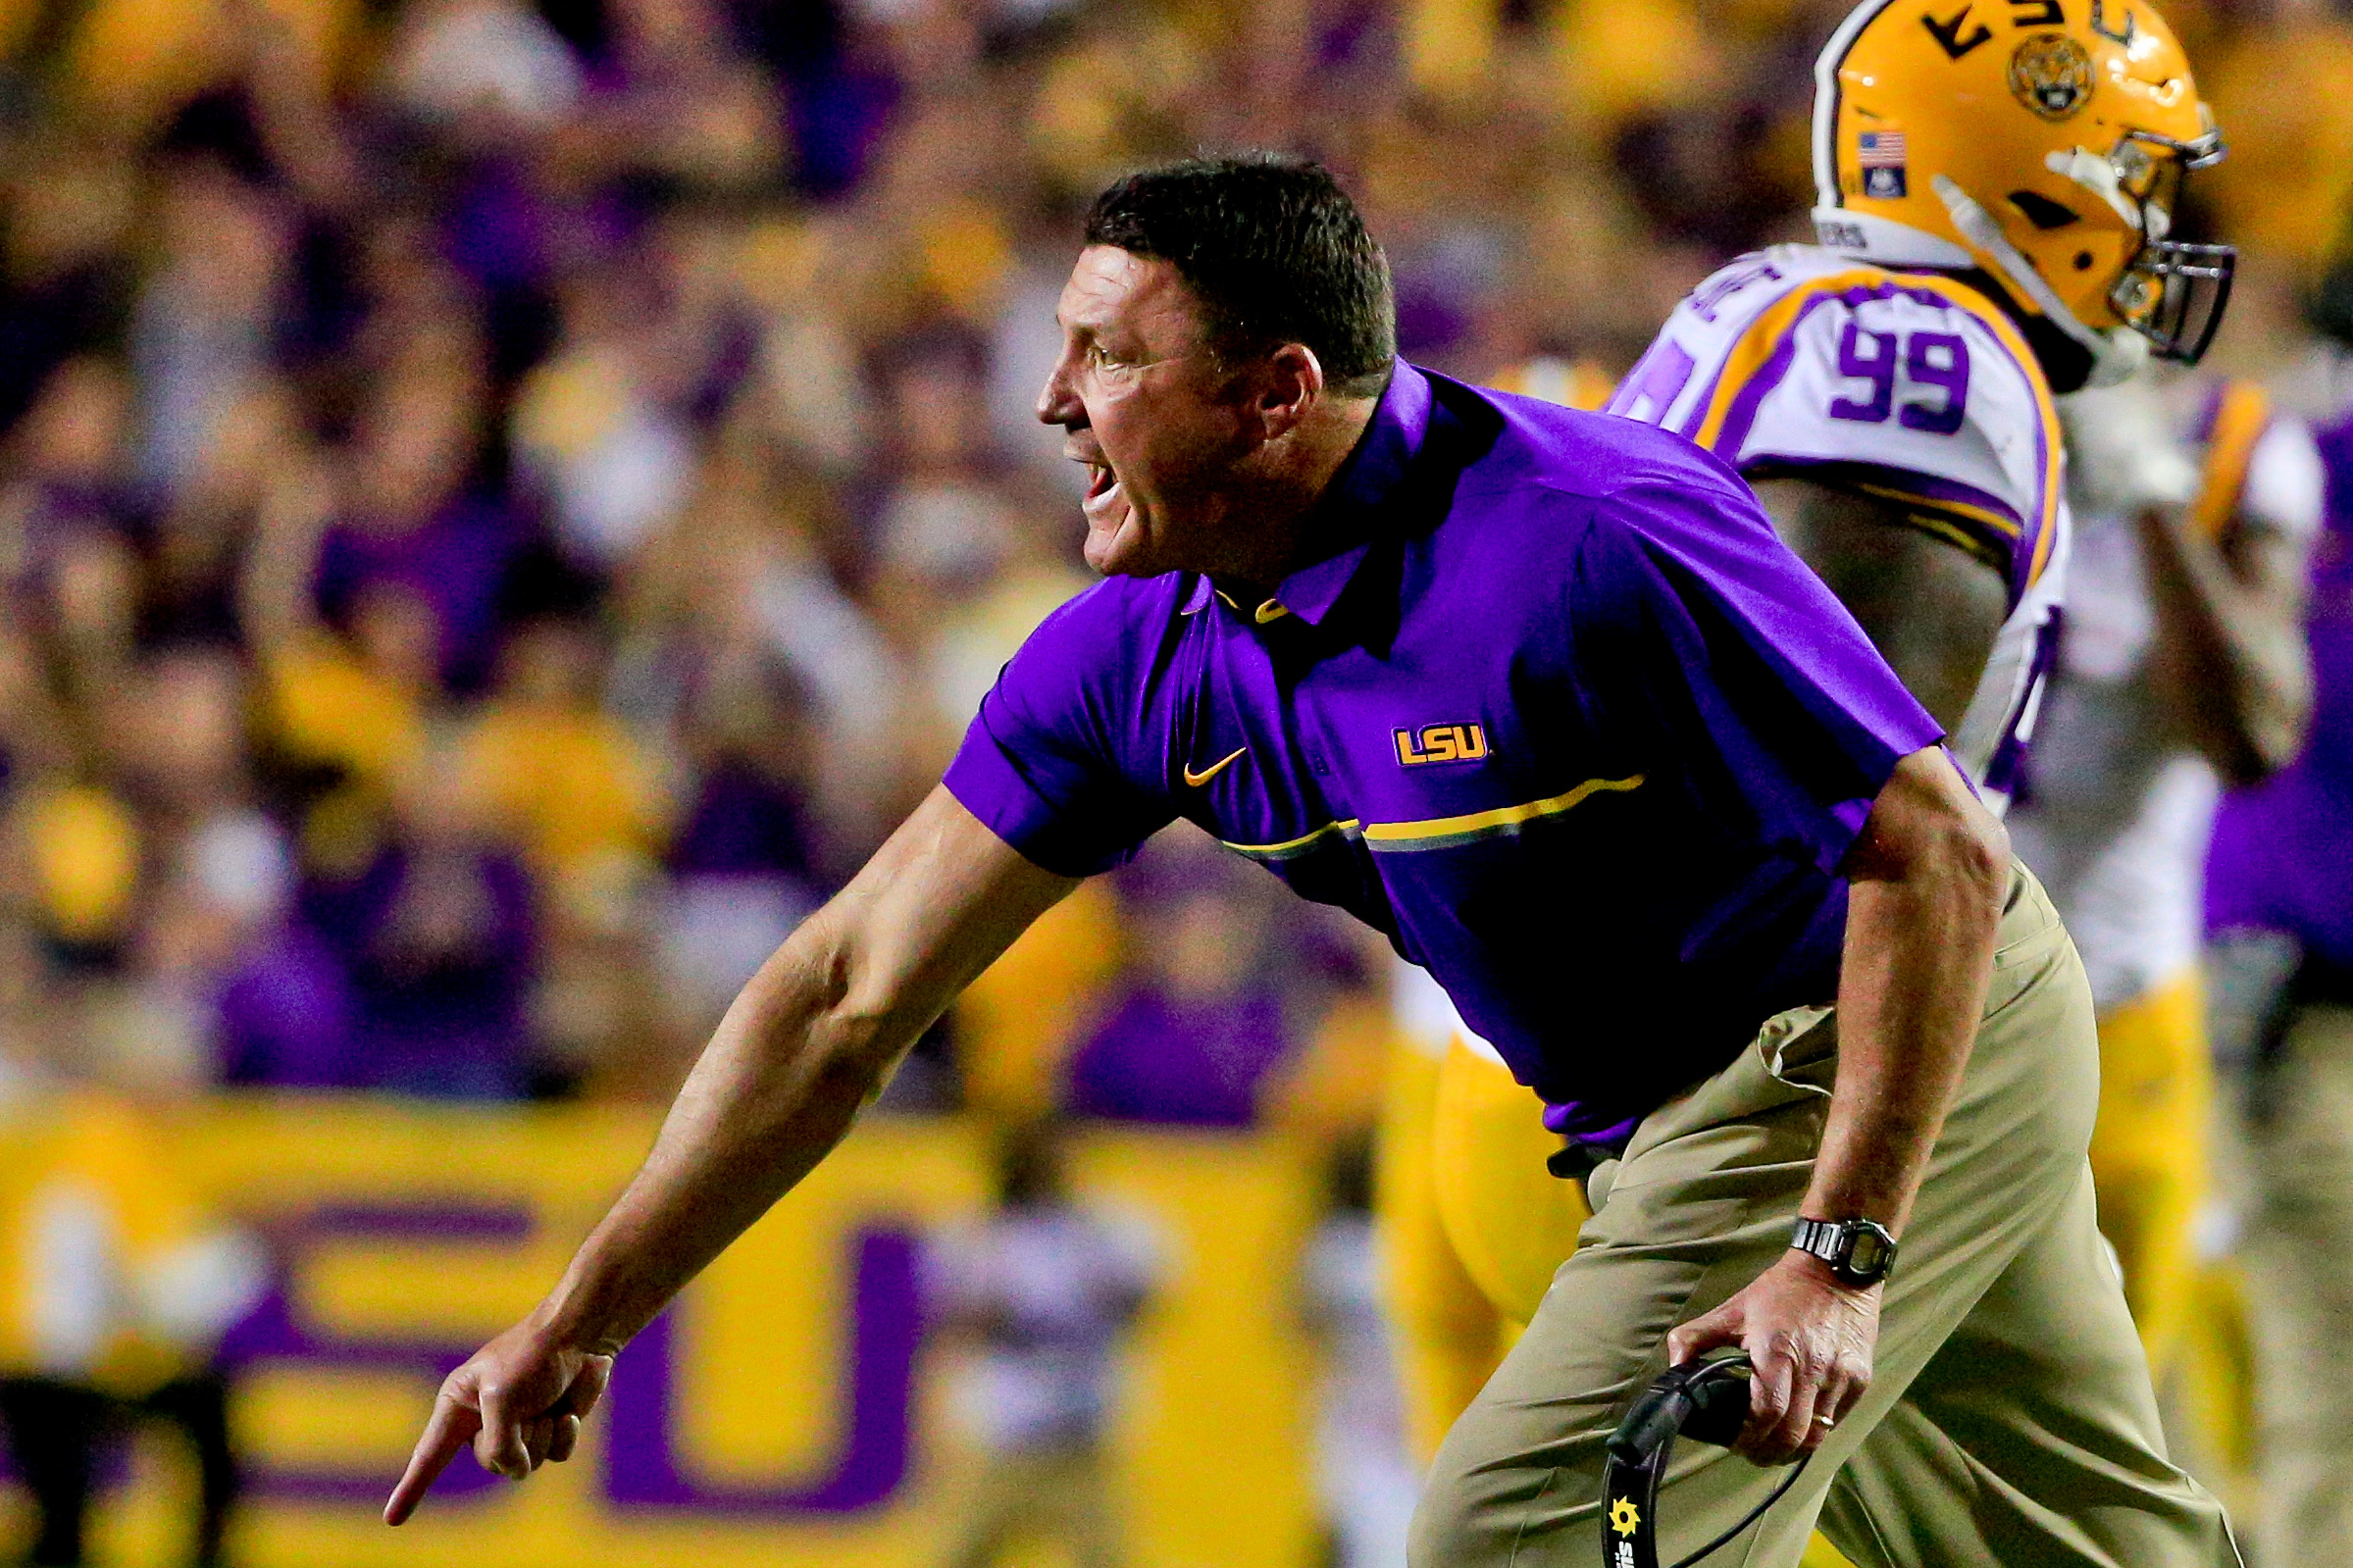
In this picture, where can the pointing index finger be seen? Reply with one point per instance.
(445, 1436)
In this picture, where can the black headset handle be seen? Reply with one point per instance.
(1702, 1399)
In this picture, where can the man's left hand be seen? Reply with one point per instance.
(1809, 1340)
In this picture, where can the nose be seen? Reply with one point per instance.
(1058, 399)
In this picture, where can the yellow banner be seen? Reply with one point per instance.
(786, 1410)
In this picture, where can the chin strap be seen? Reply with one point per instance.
(2117, 356)
(2098, 176)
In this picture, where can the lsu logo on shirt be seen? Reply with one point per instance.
(1440, 742)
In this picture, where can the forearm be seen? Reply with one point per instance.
(778, 1087)
(2232, 652)
(805, 1046)
(1911, 991)
(1928, 876)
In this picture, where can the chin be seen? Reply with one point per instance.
(1119, 551)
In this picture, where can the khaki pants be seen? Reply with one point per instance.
(1059, 1494)
(2299, 1259)
(2009, 1421)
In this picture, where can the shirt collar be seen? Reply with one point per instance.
(1350, 515)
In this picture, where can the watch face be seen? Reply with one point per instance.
(1867, 1252)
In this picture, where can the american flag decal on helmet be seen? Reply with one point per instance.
(1881, 155)
(1881, 149)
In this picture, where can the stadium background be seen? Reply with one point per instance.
(503, 505)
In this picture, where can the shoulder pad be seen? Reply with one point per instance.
(1911, 387)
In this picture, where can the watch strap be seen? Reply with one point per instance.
(1833, 1242)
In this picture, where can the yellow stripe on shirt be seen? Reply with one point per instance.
(1346, 827)
(1764, 334)
(1438, 832)
(2046, 410)
(1983, 517)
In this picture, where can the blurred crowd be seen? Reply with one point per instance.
(505, 507)
(503, 504)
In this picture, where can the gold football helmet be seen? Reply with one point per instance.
(2043, 141)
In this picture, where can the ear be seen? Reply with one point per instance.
(1290, 383)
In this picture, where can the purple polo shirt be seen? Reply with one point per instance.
(1552, 707)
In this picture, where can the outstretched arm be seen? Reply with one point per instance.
(809, 1043)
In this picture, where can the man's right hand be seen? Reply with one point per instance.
(808, 1042)
(520, 1401)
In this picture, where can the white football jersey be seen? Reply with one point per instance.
(1911, 386)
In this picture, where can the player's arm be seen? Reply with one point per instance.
(1927, 877)
(2230, 637)
(807, 1044)
(1931, 608)
(2225, 566)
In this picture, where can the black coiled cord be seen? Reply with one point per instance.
(1704, 1400)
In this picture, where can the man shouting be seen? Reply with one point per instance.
(1538, 695)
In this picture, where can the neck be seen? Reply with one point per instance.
(2065, 364)
(1275, 505)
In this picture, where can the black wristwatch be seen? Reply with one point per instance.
(1859, 1251)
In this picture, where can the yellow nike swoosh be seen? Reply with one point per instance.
(1197, 779)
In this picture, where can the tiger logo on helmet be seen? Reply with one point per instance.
(2050, 74)
(2044, 141)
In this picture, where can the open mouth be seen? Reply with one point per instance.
(1101, 487)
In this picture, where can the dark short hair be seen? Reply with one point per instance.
(1274, 252)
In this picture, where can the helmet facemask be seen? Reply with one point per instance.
(2172, 293)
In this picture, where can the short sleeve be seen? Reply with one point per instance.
(1057, 762)
(1708, 653)
(1912, 396)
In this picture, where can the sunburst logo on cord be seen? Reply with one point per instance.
(1624, 1517)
